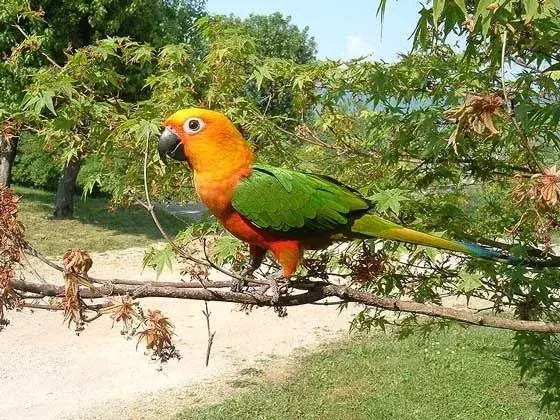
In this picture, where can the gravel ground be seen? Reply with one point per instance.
(47, 372)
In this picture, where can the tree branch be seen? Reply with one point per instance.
(314, 294)
(511, 114)
(29, 249)
(44, 54)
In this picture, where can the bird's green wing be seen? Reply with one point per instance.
(288, 201)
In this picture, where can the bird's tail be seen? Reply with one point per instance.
(375, 226)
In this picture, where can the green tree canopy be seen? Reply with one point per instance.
(275, 36)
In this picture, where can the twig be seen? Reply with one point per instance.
(29, 249)
(42, 306)
(186, 256)
(511, 113)
(54, 63)
(150, 209)
(207, 313)
(32, 269)
(315, 141)
(270, 95)
(61, 308)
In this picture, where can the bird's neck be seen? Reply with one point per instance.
(219, 166)
(221, 157)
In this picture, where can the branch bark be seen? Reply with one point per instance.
(314, 294)
(8, 150)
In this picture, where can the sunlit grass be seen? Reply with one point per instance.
(462, 374)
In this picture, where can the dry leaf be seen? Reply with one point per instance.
(476, 114)
(548, 184)
(11, 243)
(469, 24)
(77, 261)
(158, 334)
(124, 312)
(8, 132)
(543, 189)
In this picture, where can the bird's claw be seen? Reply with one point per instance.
(241, 284)
(276, 291)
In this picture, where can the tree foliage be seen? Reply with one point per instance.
(460, 137)
(40, 34)
(275, 36)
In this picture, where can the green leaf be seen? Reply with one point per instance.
(481, 9)
(158, 259)
(260, 74)
(484, 15)
(461, 4)
(554, 75)
(469, 282)
(531, 9)
(381, 9)
(437, 9)
(226, 249)
(62, 123)
(48, 101)
(389, 200)
(554, 67)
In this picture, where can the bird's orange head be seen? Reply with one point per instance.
(207, 140)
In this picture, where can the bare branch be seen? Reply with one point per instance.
(29, 249)
(206, 312)
(171, 292)
(61, 308)
(44, 54)
(315, 294)
(511, 114)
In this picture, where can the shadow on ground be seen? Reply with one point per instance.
(96, 225)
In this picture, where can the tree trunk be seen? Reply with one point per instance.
(8, 152)
(64, 202)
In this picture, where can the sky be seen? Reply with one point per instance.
(342, 29)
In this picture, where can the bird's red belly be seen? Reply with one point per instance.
(287, 251)
(242, 229)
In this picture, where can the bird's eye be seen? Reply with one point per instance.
(193, 125)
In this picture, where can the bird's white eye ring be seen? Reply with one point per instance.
(193, 125)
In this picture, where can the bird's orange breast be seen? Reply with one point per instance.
(217, 195)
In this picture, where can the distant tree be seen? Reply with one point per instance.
(77, 23)
(275, 37)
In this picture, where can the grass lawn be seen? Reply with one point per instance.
(459, 374)
(94, 227)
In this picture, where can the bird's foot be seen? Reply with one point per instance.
(240, 285)
(276, 291)
(281, 311)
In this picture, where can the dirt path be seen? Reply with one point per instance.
(47, 372)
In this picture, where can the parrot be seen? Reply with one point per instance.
(280, 210)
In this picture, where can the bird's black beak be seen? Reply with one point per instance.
(170, 145)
